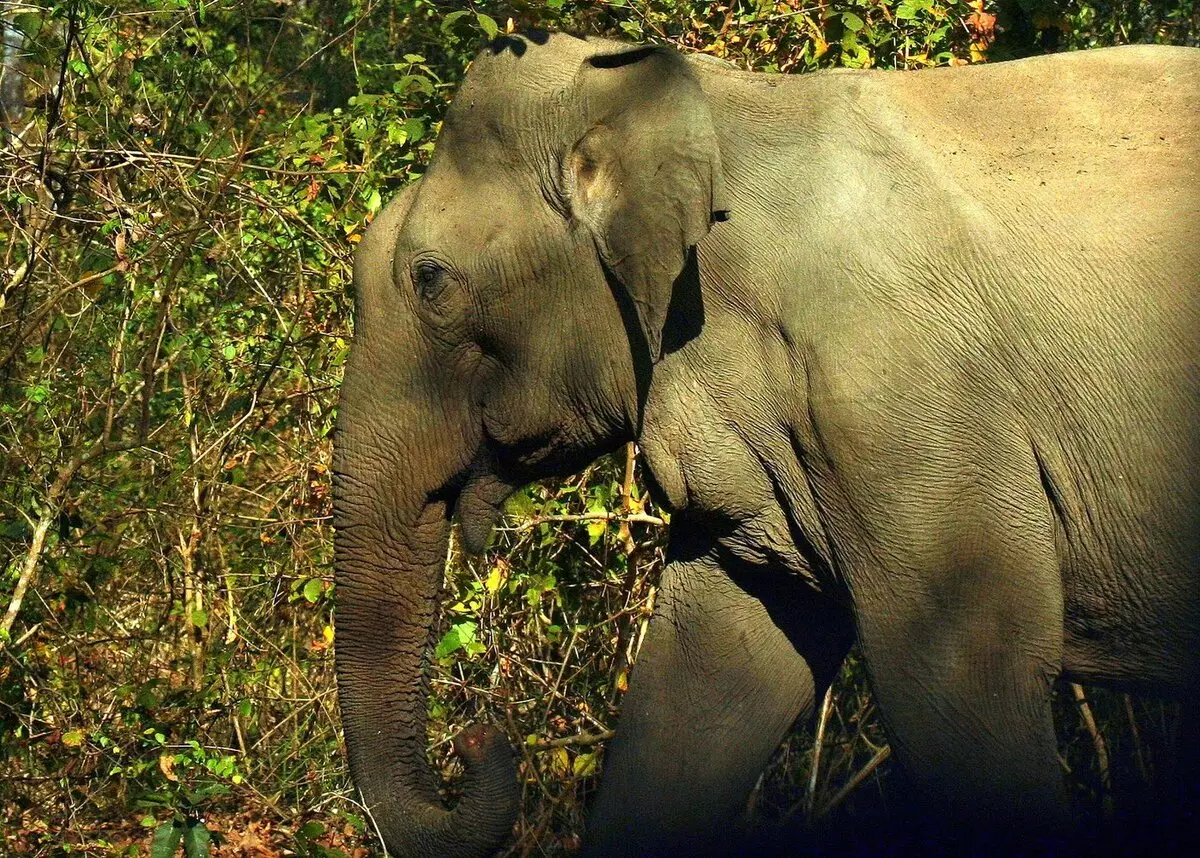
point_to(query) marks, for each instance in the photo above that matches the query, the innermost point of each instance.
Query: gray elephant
(912, 357)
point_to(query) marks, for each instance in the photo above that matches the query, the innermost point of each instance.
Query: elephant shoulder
(896, 394)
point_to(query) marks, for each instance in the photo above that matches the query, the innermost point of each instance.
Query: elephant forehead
(472, 211)
(518, 88)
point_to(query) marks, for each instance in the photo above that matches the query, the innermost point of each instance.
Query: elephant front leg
(726, 668)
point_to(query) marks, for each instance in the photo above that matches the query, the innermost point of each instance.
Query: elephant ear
(645, 176)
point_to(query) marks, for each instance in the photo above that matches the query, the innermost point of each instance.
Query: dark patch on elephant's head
(624, 58)
(517, 44)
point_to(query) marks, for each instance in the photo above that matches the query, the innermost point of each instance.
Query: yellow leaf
(73, 738)
(585, 764)
(623, 681)
(560, 761)
(495, 579)
(327, 633)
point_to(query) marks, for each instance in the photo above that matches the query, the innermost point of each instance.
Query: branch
(1089, 721)
(577, 739)
(810, 797)
(29, 565)
(593, 516)
(627, 540)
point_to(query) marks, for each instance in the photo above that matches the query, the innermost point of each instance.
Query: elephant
(911, 357)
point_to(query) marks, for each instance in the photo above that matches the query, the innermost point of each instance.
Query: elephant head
(510, 306)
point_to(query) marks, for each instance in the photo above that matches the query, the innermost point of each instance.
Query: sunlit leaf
(584, 765)
(458, 636)
(487, 24)
(313, 588)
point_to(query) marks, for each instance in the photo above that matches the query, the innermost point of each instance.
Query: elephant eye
(428, 279)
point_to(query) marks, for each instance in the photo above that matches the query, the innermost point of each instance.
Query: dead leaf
(166, 765)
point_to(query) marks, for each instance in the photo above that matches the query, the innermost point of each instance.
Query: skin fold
(912, 358)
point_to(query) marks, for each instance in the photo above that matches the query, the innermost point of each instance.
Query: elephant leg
(1181, 805)
(962, 668)
(726, 668)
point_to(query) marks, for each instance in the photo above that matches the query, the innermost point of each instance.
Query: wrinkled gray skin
(934, 385)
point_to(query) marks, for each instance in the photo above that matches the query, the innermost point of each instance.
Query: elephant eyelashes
(428, 279)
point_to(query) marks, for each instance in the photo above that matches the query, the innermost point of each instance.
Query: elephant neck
(724, 417)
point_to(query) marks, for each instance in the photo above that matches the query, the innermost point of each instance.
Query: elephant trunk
(390, 553)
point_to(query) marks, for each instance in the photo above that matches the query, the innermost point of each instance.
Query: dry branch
(577, 739)
(865, 772)
(1101, 747)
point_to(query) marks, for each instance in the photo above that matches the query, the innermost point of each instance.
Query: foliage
(183, 187)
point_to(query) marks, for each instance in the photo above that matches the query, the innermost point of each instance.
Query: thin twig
(1139, 754)
(876, 761)
(1085, 712)
(810, 797)
(623, 534)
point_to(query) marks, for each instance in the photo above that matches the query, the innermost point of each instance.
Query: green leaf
(852, 22)
(409, 82)
(596, 529)
(584, 765)
(459, 635)
(414, 129)
(230, 352)
(166, 840)
(520, 505)
(196, 840)
(28, 23)
(199, 618)
(487, 24)
(449, 20)
(414, 58)
(313, 588)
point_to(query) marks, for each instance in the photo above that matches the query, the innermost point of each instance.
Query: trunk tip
(479, 742)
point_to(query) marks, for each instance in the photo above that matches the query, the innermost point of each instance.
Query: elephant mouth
(480, 503)
(487, 483)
